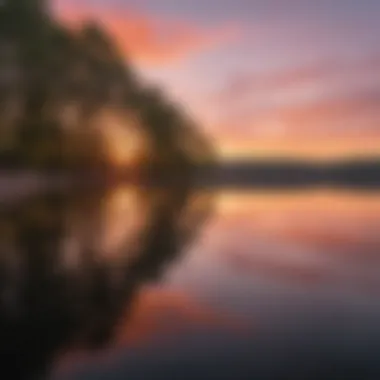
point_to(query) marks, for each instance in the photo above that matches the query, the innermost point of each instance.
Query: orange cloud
(325, 111)
(149, 40)
(234, 146)
(326, 114)
(338, 126)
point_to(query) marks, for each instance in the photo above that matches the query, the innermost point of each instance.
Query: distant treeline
(61, 90)
(355, 173)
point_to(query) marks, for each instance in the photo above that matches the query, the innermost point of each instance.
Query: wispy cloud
(245, 84)
(344, 103)
(150, 39)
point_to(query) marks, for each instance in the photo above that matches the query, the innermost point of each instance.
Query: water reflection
(72, 265)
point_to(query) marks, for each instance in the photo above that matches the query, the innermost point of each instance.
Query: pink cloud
(148, 39)
(345, 102)
(325, 73)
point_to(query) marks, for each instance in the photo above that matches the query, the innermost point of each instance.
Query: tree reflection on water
(71, 264)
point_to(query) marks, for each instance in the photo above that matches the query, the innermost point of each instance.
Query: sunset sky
(263, 78)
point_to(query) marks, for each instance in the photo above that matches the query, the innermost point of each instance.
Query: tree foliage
(57, 80)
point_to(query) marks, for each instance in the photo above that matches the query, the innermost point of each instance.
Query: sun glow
(125, 141)
(298, 149)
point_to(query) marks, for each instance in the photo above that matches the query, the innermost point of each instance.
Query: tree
(66, 78)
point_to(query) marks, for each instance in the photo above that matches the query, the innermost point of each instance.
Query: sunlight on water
(316, 242)
(314, 199)
(273, 268)
(126, 214)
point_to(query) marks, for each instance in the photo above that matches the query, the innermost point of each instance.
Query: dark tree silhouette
(62, 79)
(60, 286)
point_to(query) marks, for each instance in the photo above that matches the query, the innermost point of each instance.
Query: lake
(260, 284)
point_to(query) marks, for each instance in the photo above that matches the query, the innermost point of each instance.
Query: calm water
(272, 285)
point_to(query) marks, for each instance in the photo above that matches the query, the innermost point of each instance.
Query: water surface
(160, 283)
(275, 284)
